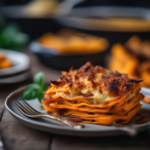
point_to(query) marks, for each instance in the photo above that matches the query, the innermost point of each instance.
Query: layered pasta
(94, 95)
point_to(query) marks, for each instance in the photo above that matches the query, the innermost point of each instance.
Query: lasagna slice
(94, 95)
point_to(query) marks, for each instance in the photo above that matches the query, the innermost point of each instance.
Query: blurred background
(64, 33)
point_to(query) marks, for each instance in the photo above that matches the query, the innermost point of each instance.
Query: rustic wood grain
(5, 90)
(140, 142)
(16, 136)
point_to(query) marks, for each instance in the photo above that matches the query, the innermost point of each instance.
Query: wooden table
(16, 136)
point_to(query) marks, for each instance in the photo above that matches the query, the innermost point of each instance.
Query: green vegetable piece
(32, 91)
(35, 90)
(39, 79)
(12, 38)
(44, 87)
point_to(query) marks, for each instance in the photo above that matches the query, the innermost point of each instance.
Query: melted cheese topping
(95, 82)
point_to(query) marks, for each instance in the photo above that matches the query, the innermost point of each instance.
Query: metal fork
(28, 111)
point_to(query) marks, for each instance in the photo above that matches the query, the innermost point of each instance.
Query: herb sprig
(35, 90)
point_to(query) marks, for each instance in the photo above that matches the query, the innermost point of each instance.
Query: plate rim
(35, 47)
(24, 75)
(9, 71)
(66, 130)
(79, 22)
(125, 11)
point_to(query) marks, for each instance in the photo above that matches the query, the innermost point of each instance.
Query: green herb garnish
(35, 90)
(12, 38)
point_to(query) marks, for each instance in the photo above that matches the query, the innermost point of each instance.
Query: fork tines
(25, 108)
(28, 111)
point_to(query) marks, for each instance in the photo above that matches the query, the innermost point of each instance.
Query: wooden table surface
(16, 136)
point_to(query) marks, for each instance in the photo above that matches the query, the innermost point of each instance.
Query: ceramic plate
(21, 63)
(54, 127)
(15, 79)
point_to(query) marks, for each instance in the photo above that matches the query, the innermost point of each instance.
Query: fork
(28, 111)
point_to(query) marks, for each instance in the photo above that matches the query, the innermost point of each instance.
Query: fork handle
(64, 121)
(129, 130)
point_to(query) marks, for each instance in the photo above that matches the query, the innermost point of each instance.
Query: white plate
(54, 127)
(15, 79)
(21, 62)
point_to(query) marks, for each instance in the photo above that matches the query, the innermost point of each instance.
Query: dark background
(140, 3)
(35, 27)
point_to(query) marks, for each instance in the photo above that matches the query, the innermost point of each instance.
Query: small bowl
(64, 62)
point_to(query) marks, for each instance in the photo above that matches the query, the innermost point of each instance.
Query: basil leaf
(35, 90)
(12, 38)
(32, 91)
(39, 79)
(44, 87)
(40, 95)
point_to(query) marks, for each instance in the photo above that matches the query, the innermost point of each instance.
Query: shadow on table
(140, 142)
